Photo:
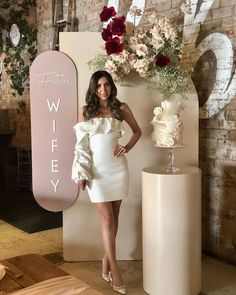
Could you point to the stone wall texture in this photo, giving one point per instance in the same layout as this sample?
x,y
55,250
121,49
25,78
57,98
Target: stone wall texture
x,y
217,134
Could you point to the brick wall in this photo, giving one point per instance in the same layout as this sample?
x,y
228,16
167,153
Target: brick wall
x,y
217,143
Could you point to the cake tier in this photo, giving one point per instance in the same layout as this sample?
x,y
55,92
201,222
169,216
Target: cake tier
x,y
168,132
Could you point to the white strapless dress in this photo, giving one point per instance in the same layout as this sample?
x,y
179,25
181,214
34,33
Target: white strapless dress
x,y
94,161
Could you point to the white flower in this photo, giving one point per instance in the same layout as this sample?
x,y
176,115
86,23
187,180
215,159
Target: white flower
x,y
139,34
125,54
170,33
141,50
115,77
141,63
141,66
142,72
163,26
165,104
125,69
120,58
157,40
110,66
157,111
132,59
116,57
133,42
155,31
158,43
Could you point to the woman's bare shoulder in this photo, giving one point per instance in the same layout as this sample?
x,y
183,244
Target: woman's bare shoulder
x,y
123,106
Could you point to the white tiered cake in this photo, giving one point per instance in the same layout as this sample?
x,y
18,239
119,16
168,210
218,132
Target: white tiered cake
x,y
168,128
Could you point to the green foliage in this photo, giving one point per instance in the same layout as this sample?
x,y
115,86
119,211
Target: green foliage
x,y
21,106
19,58
4,4
98,62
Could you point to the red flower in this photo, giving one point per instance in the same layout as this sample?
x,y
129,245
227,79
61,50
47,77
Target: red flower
x,y
117,26
162,60
106,35
114,46
107,13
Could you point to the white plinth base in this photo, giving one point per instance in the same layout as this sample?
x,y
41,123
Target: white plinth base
x,y
171,231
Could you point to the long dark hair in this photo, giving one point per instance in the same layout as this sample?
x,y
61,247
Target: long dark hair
x,y
91,108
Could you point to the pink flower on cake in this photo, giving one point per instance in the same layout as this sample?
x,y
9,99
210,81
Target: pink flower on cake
x,y
165,104
157,111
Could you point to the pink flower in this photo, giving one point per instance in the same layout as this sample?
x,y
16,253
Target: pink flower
x,y
117,26
114,46
162,60
106,35
107,13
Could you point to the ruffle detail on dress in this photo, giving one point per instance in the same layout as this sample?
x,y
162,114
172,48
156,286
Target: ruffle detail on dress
x,y
82,160
99,125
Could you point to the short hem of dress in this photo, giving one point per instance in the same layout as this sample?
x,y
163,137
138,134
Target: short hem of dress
x,y
105,201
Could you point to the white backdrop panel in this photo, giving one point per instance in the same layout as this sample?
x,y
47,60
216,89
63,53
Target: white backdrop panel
x,y
81,232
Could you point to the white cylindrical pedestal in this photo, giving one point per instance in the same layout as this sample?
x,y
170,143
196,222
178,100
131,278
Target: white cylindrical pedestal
x,y
171,231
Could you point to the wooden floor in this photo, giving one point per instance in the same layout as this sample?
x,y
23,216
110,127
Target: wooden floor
x,y
218,278
26,270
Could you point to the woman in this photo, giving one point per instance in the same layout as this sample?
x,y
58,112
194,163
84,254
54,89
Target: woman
x,y
100,164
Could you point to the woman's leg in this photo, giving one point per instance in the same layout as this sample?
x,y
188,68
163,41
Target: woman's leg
x,y
116,210
108,229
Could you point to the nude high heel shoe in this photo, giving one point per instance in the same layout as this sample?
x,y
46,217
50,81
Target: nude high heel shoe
x,y
106,277
118,289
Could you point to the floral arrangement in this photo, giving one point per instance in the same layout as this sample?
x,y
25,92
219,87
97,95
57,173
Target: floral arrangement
x,y
154,52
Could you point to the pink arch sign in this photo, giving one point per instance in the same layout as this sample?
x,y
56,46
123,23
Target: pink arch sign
x,y
53,95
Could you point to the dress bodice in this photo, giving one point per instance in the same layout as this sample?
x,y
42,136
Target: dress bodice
x,y
99,125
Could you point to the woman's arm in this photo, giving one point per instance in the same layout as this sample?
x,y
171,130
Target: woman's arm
x,y
130,120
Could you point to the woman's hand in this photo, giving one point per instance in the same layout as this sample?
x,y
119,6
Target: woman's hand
x,y
82,184
119,150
